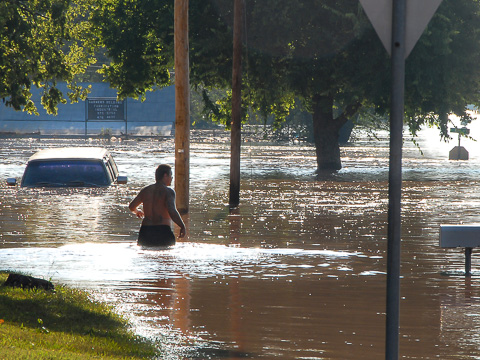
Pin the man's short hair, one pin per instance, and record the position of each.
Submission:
(161, 171)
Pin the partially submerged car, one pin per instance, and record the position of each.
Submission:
(70, 167)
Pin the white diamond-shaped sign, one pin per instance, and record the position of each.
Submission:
(418, 15)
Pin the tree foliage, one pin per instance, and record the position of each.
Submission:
(326, 53)
(323, 52)
(138, 38)
(442, 72)
(42, 42)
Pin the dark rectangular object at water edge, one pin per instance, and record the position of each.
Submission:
(453, 236)
(466, 236)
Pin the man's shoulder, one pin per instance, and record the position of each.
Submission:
(158, 188)
(148, 189)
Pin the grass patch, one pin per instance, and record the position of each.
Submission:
(64, 324)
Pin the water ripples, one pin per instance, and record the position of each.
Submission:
(297, 271)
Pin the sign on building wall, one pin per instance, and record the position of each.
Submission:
(106, 109)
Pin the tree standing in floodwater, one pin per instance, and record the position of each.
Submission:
(159, 210)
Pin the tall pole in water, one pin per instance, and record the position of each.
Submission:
(234, 198)
(395, 179)
(399, 39)
(182, 106)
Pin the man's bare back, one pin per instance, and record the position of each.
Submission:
(158, 204)
(155, 199)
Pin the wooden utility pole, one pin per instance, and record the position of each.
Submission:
(236, 104)
(182, 106)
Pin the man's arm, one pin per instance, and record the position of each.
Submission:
(135, 204)
(173, 212)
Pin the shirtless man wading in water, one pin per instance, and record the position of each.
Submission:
(159, 210)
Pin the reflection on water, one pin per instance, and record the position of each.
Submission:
(297, 272)
(128, 262)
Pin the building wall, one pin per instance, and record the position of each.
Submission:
(155, 116)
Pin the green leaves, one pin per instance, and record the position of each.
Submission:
(442, 72)
(298, 49)
(41, 44)
(138, 39)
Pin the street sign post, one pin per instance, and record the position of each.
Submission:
(399, 24)
(418, 14)
(460, 131)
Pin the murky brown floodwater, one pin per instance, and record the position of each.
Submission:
(298, 272)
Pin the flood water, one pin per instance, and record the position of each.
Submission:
(298, 271)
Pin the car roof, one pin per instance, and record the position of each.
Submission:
(72, 153)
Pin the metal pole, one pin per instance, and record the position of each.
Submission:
(395, 179)
(86, 116)
(234, 197)
(468, 261)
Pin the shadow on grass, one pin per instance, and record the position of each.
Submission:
(62, 310)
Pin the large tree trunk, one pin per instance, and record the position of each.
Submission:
(326, 132)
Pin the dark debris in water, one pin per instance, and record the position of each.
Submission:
(213, 353)
(459, 273)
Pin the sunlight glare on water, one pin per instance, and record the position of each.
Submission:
(296, 272)
(112, 263)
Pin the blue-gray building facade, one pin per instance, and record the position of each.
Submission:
(153, 117)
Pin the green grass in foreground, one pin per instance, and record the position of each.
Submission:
(64, 324)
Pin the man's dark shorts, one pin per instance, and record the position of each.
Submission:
(156, 235)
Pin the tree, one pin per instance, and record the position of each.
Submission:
(138, 40)
(42, 42)
(326, 53)
(319, 55)
(442, 72)
(336, 65)
(323, 52)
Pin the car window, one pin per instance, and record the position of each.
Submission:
(109, 170)
(114, 166)
(65, 173)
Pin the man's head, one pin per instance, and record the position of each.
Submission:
(161, 171)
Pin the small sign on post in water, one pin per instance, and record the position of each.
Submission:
(459, 152)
